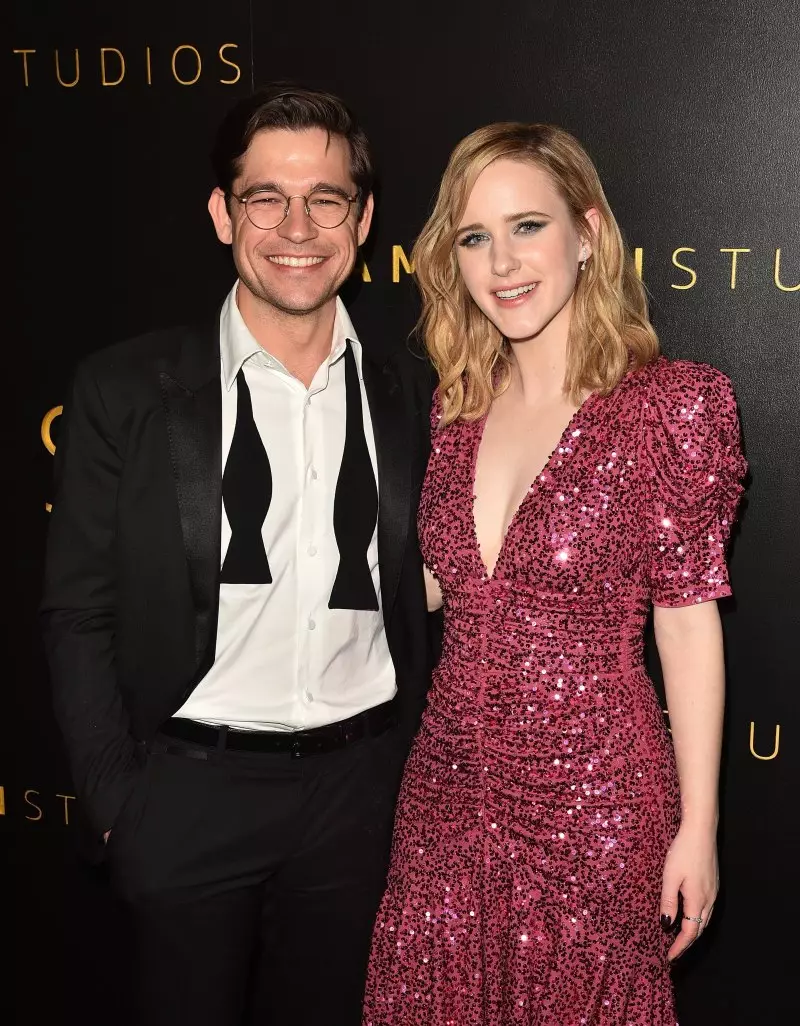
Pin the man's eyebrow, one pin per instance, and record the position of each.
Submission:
(259, 186)
(331, 187)
(275, 187)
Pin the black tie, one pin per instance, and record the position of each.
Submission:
(246, 492)
(355, 505)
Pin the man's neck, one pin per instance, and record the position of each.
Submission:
(301, 342)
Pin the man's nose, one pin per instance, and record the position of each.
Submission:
(297, 226)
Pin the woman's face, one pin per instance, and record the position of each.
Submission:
(519, 251)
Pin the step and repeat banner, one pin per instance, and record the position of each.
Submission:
(691, 115)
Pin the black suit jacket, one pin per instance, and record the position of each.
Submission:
(131, 590)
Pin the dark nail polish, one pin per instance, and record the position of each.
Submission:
(666, 923)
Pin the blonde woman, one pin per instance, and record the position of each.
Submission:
(554, 849)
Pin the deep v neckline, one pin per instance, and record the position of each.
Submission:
(490, 575)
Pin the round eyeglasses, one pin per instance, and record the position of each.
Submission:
(267, 208)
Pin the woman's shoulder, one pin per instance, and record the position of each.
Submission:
(677, 392)
(690, 418)
(665, 380)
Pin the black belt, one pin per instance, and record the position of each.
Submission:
(312, 741)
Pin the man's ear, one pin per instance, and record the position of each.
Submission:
(218, 209)
(366, 219)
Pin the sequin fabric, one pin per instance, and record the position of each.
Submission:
(541, 795)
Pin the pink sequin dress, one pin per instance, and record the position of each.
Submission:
(541, 794)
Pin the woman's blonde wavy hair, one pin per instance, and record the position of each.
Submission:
(610, 332)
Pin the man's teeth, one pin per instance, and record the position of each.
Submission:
(512, 293)
(288, 261)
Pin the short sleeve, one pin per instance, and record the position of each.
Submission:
(695, 467)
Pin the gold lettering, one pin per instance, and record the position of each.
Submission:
(2, 801)
(47, 438)
(67, 798)
(783, 288)
(365, 275)
(638, 255)
(25, 64)
(74, 82)
(111, 49)
(399, 257)
(683, 267)
(47, 423)
(775, 750)
(229, 81)
(189, 81)
(147, 65)
(734, 257)
(33, 805)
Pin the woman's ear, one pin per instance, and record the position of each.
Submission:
(592, 219)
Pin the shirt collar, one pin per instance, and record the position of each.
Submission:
(237, 344)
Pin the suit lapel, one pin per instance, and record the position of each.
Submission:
(391, 427)
(191, 394)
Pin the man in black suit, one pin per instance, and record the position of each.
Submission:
(234, 611)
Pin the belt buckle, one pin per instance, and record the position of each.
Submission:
(309, 744)
(304, 744)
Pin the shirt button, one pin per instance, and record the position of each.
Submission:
(314, 474)
(309, 696)
(308, 401)
(312, 550)
(312, 625)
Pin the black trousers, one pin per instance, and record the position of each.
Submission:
(252, 881)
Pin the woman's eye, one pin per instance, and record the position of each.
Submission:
(529, 227)
(472, 239)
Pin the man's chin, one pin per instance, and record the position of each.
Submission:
(298, 304)
(301, 308)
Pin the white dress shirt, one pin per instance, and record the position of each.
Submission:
(284, 660)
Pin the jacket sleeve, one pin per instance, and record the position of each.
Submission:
(77, 611)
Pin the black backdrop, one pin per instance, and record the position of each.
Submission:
(691, 114)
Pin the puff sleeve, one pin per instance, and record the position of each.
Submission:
(695, 469)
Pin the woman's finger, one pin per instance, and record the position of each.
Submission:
(669, 903)
(691, 924)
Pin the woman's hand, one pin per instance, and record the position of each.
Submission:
(433, 593)
(690, 869)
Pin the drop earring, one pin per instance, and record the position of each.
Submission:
(583, 254)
